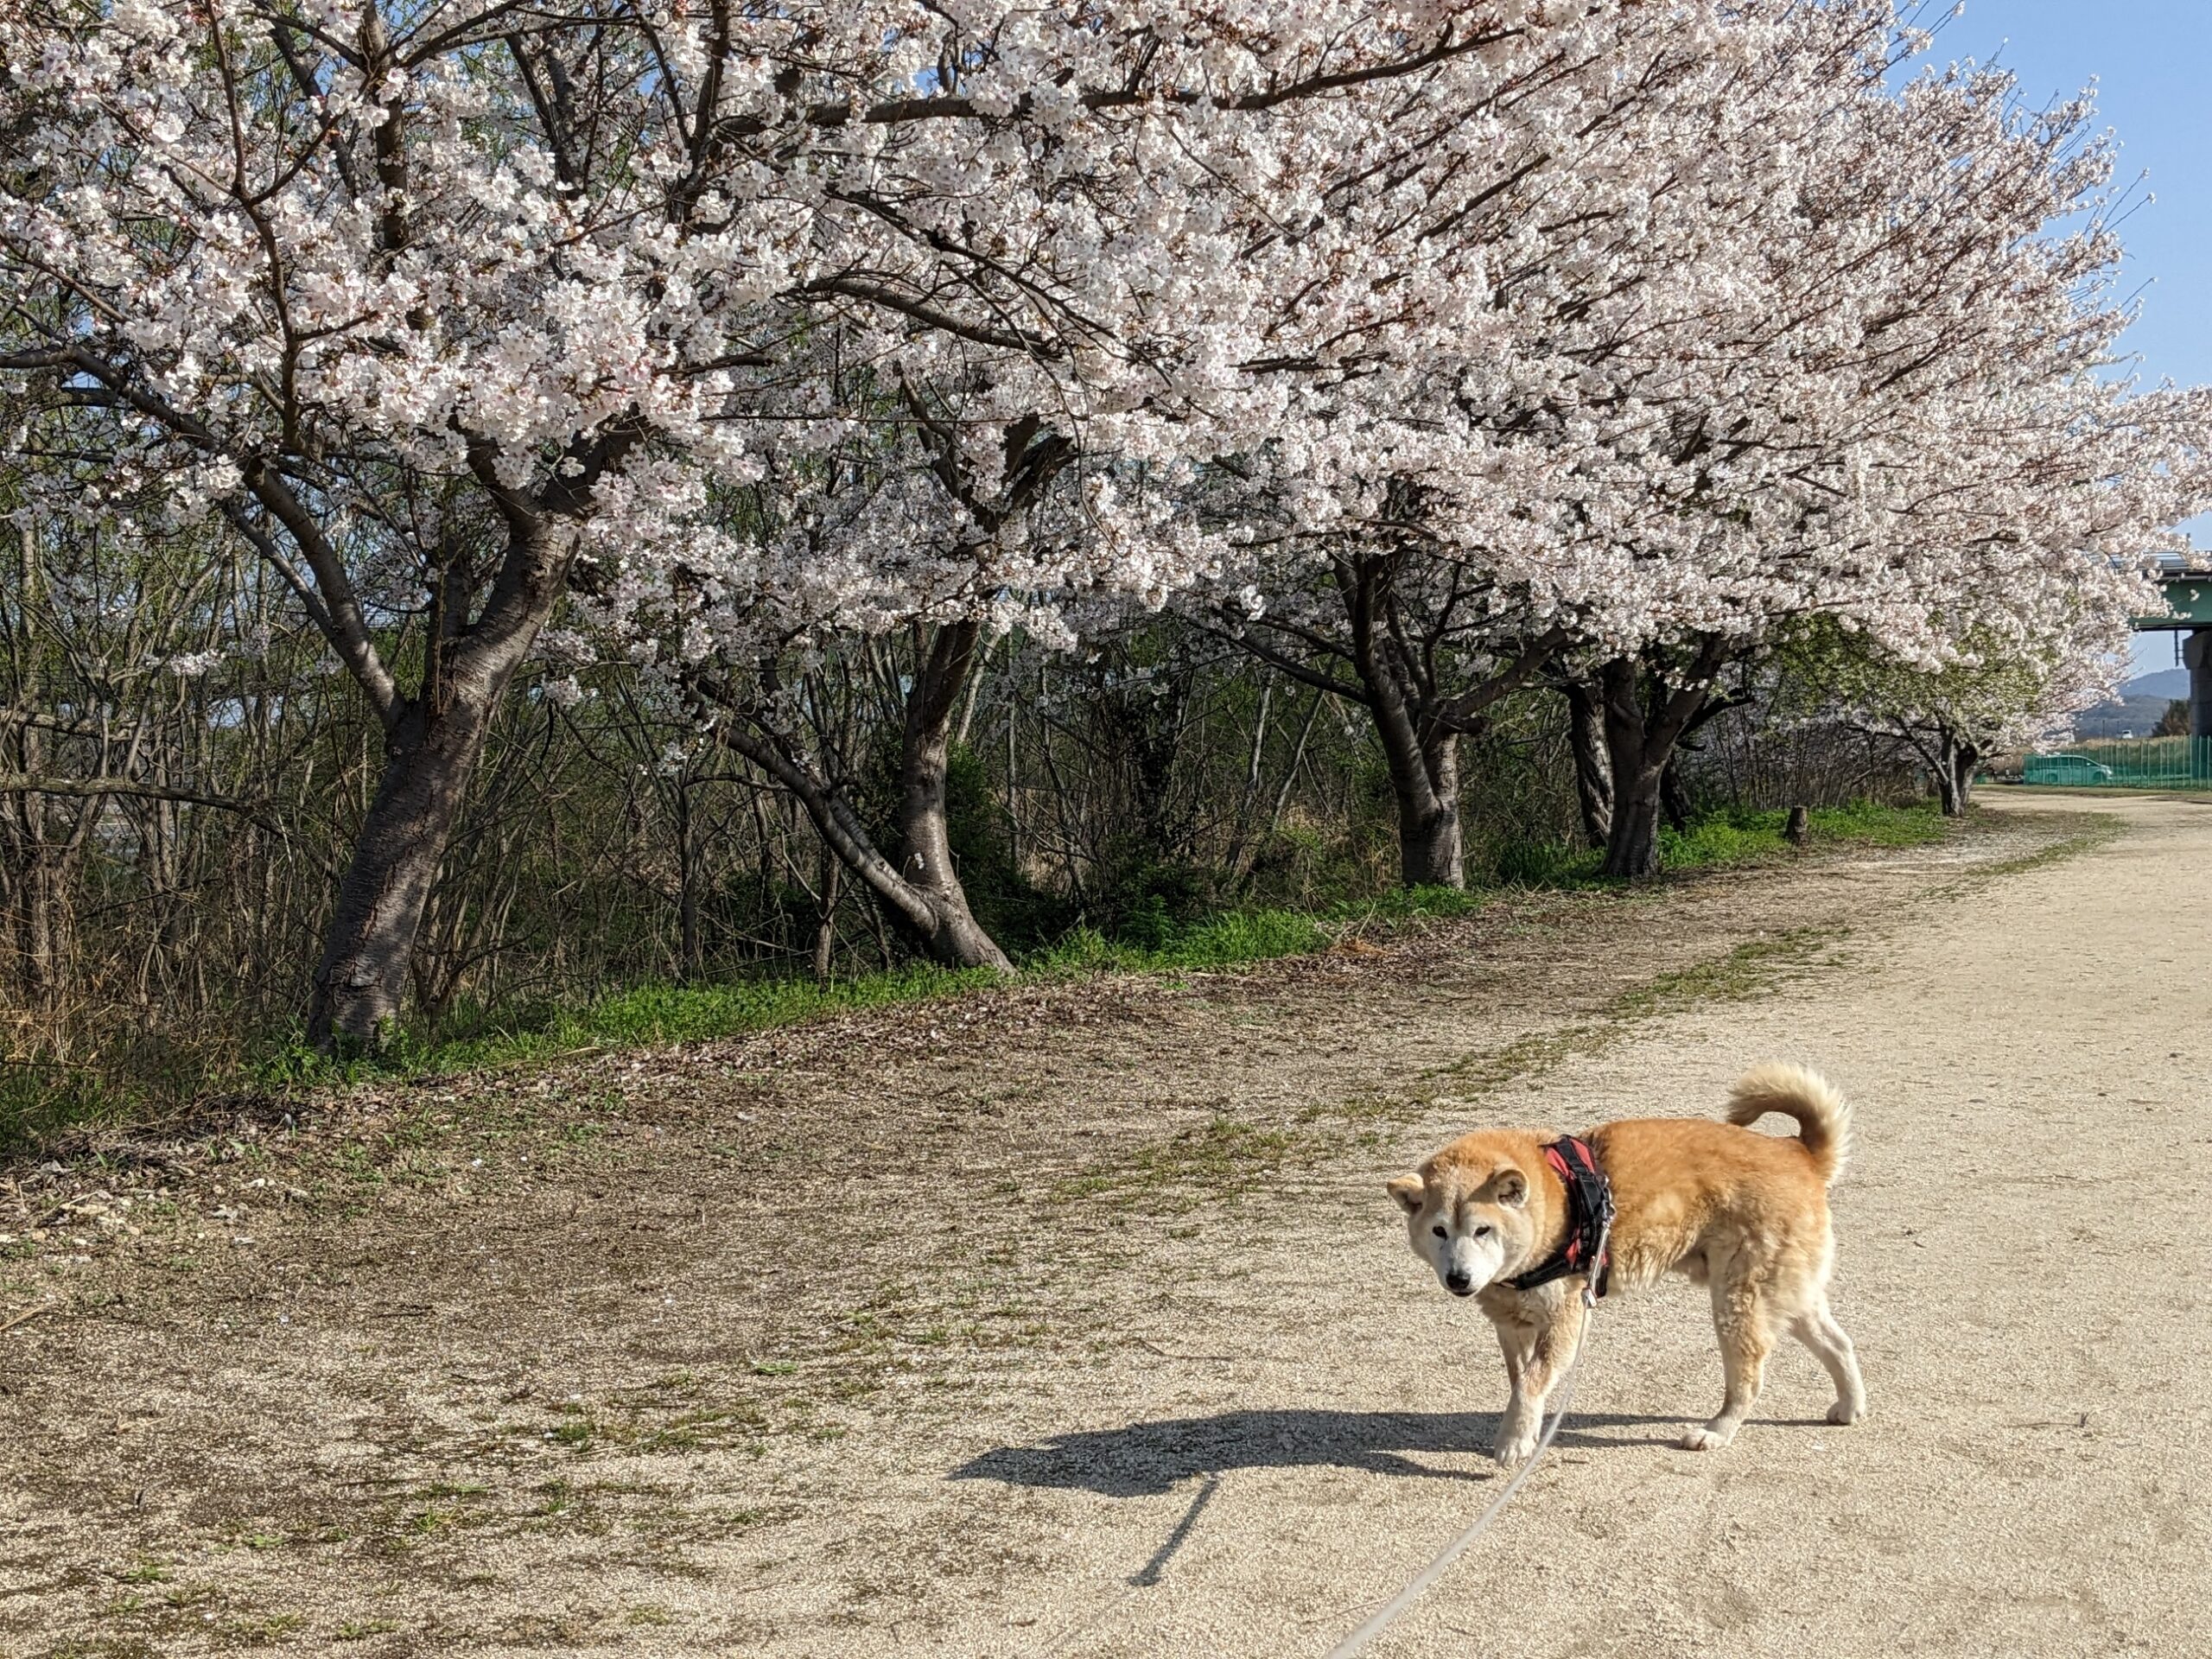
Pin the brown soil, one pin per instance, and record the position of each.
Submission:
(1074, 1320)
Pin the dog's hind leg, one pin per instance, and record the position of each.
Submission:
(1739, 1319)
(1536, 1357)
(1819, 1331)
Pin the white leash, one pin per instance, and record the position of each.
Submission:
(1429, 1575)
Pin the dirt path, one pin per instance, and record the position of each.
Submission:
(1074, 1321)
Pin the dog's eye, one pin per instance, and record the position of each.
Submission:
(1482, 1232)
(1438, 1232)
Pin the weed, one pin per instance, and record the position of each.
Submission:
(1223, 1157)
(2091, 831)
(1750, 969)
(556, 1498)
(265, 1628)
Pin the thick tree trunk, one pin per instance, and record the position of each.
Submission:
(1632, 845)
(1420, 749)
(432, 743)
(1593, 772)
(360, 983)
(1424, 780)
(1639, 742)
(1947, 786)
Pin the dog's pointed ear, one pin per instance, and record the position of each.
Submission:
(1511, 1187)
(1410, 1190)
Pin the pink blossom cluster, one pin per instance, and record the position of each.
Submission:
(1622, 322)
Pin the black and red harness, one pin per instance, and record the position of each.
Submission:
(1589, 1219)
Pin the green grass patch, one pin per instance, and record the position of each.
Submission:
(1225, 1156)
(643, 1015)
(1743, 836)
(1218, 942)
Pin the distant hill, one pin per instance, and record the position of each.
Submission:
(2167, 683)
(2142, 704)
(2131, 717)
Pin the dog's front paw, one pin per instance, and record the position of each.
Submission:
(1705, 1439)
(1843, 1416)
(1513, 1449)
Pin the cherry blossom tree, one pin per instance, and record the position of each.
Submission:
(2008, 688)
(1833, 354)
(445, 308)
(1456, 514)
(1035, 464)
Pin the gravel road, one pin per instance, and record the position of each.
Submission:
(1076, 1321)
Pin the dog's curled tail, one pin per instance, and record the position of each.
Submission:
(1823, 1115)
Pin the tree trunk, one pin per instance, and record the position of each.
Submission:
(429, 759)
(1947, 784)
(691, 949)
(1593, 773)
(35, 858)
(825, 926)
(1632, 845)
(922, 891)
(1969, 758)
(1421, 752)
(1955, 768)
(33, 852)
(1425, 779)
(432, 743)
(953, 936)
(38, 953)
(1639, 742)
(1674, 798)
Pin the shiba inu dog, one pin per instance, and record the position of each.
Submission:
(1508, 1217)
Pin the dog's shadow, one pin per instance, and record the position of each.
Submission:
(1149, 1459)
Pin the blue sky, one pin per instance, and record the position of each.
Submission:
(2152, 62)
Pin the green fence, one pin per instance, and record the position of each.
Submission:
(2126, 763)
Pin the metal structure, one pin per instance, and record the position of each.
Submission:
(2189, 603)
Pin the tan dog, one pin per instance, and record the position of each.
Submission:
(1743, 1214)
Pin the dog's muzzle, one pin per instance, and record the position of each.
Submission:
(1459, 1284)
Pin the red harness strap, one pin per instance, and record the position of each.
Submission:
(1589, 1218)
